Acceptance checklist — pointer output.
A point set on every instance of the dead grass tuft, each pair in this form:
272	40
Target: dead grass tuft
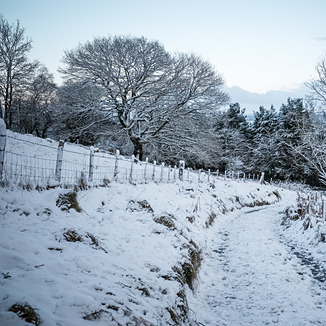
211	219
72	236
68	201
138	206
26	312
94	315
166	220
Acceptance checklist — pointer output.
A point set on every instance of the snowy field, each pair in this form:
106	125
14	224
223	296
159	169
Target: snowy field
126	254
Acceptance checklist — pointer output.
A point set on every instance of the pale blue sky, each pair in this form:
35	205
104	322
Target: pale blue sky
256	45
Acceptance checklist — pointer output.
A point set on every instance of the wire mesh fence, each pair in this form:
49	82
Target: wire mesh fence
29	161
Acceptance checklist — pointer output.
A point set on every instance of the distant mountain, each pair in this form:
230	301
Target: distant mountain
252	101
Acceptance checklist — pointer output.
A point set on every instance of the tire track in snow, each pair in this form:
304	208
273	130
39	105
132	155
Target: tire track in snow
249	277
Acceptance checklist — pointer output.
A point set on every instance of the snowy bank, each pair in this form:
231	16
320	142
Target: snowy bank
129	256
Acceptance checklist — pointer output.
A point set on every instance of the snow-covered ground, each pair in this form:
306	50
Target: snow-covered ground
137	247
251	277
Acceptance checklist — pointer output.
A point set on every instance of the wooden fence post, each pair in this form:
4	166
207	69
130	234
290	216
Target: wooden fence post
91	164
181	169
175	168
132	167
116	166
162	171
169	173
153	175
2	146
58	167
145	168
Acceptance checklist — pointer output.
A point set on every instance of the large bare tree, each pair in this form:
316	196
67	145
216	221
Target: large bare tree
14	65
143	86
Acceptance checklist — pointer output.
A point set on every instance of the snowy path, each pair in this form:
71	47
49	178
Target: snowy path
251	277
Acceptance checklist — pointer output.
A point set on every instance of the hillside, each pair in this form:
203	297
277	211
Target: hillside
181	253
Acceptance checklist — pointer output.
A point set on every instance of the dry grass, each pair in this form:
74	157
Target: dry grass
68	201
166	220
26	312
72	236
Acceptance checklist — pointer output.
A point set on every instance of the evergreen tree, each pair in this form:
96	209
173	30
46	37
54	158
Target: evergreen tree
234	135
263	158
294	122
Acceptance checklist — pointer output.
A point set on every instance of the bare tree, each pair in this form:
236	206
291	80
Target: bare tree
79	113
14	65
313	151
142	86
318	84
33	106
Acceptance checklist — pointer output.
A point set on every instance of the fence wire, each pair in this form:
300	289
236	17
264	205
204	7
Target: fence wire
82	167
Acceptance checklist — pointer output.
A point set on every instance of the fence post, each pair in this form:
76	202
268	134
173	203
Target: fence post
132	166
181	169
2	146
199	173
91	164
153	175
162	170
188	176
175	167
58	166
116	166
145	169
169	173
209	174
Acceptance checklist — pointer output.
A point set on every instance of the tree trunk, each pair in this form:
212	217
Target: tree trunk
138	148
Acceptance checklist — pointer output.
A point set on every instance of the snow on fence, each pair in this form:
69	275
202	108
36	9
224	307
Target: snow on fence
31	161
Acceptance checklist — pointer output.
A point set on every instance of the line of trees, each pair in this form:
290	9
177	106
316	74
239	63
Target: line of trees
285	144
129	93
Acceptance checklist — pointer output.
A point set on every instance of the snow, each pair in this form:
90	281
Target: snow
124	270
258	279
